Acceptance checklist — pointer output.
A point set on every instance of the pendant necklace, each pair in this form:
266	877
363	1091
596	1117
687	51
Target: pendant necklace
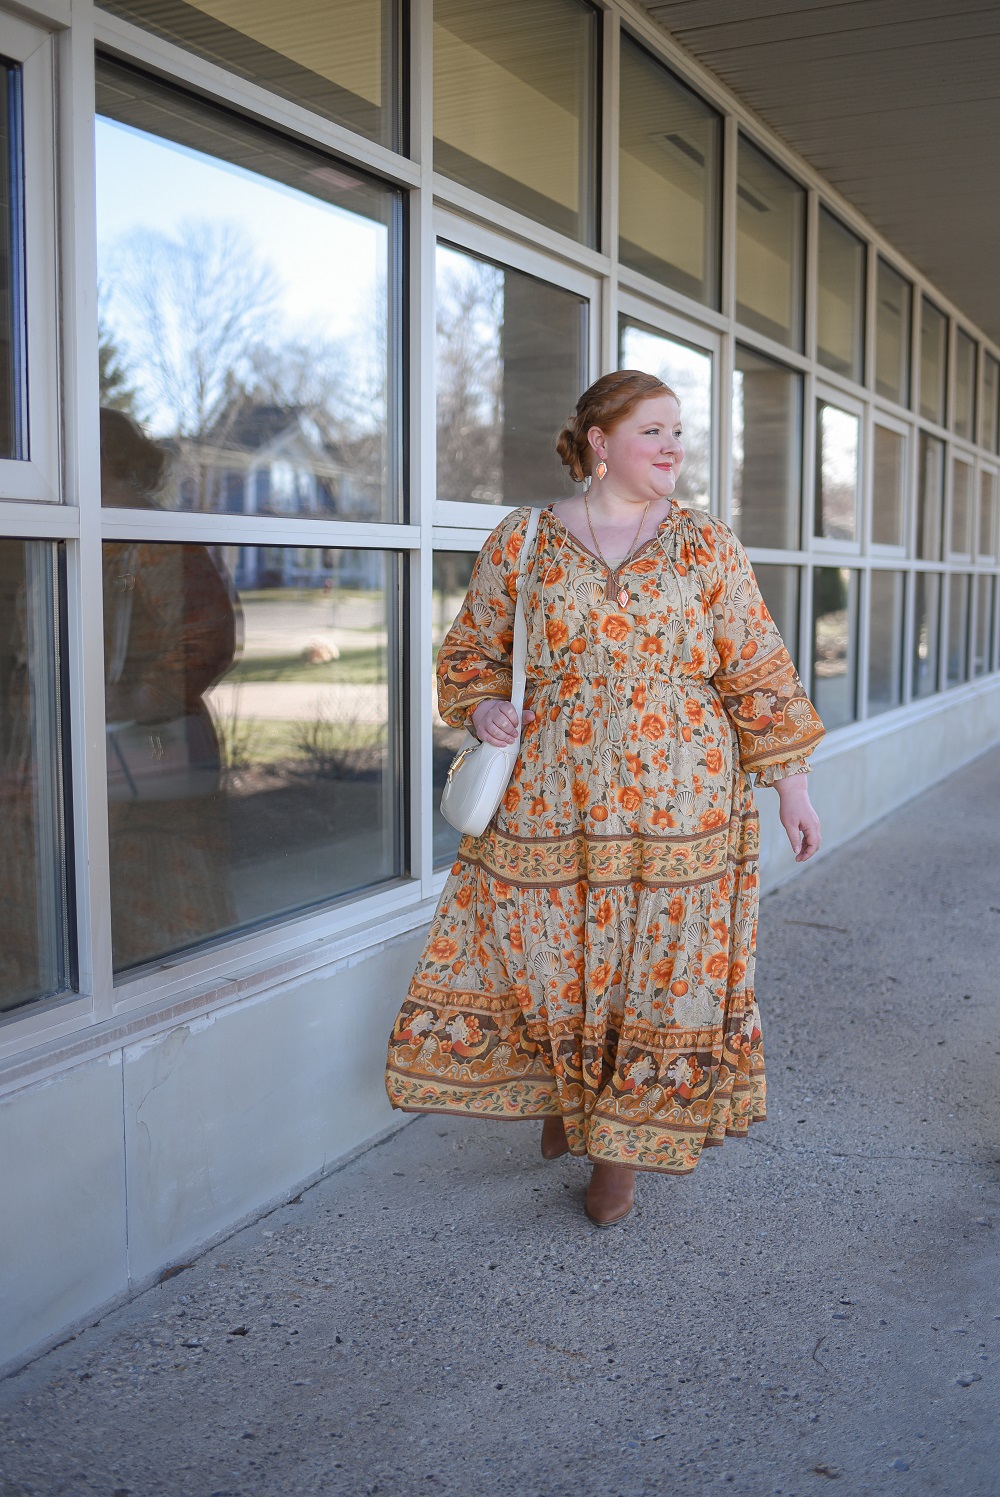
622	596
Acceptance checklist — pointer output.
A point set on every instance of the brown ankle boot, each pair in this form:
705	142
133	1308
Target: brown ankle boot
611	1193
554	1140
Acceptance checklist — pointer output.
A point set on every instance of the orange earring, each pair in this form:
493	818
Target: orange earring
602	469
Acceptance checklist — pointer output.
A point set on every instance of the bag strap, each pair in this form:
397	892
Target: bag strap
520	653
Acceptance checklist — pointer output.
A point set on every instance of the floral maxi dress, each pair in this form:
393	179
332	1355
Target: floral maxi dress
592	954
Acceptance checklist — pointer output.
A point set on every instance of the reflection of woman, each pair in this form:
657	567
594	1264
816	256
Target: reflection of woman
591	961
169	626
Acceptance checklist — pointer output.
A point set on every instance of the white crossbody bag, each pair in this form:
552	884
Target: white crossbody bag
479	773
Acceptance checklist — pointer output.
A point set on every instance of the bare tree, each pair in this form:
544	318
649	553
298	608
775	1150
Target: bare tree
469	382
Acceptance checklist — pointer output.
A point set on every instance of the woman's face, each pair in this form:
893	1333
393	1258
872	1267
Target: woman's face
643	452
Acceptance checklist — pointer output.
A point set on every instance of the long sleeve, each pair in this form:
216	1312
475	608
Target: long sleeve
776	725
474	662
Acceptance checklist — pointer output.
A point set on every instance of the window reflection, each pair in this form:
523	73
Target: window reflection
767	451
960	539
957	661
670	166
779	588
12	370
989	515
515	90
888	486
835	631
840	305
966	359
452	575
34	957
337	57
245	309
510	367
688	372
892	334
982	634
770	231
930	497
990	419
885	641
933	361
837	438
926	630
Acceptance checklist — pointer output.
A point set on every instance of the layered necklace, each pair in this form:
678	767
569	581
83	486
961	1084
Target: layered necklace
622	596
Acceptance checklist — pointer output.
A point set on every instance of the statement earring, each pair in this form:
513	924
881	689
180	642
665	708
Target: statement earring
602	469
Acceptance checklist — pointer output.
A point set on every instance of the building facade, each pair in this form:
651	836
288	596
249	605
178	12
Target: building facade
293	302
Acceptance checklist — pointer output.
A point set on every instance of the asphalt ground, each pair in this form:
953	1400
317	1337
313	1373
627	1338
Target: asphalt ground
815	1309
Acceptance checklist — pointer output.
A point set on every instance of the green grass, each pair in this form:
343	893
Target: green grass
354	668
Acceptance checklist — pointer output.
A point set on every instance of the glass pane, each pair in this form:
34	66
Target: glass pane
892	334
12	357
957	662
835	644
960	540
990	422
33	907
337	57
670	161
252	737
688	372
779	588
770	228
933	361
515	89
767	451
840	306
452	574
983	625
930	497
837	438
885	642
926	615
888	486
511	362
966	358
246	313
988	516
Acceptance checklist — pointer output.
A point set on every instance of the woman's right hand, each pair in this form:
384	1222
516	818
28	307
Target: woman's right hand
495	722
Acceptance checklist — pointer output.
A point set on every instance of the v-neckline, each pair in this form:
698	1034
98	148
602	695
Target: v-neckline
626	561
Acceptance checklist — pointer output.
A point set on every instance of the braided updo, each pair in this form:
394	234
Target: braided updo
607	402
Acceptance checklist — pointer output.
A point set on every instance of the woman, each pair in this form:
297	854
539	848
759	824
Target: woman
591	961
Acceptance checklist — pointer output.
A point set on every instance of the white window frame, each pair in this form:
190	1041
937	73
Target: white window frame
823	546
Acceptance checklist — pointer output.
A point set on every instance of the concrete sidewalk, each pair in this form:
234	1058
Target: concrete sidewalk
819	1306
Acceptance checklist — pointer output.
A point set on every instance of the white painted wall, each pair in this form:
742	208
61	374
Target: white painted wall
219	1117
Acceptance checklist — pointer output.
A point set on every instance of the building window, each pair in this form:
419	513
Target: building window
990	416
957	658
767	451
982	633
452	575
779	586
885	641
339	58
966	359
933	361
835	644
670	162
930	497
960	536
770	236
840	307
688	372
12	330
511	362
926	632
889	486
34	938
989	517
515	106
894	298
838	436
247	313
252	735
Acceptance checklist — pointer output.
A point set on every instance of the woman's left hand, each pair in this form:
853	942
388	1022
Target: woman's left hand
797	816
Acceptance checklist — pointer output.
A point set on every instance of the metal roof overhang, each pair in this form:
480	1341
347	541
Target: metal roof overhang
895	102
